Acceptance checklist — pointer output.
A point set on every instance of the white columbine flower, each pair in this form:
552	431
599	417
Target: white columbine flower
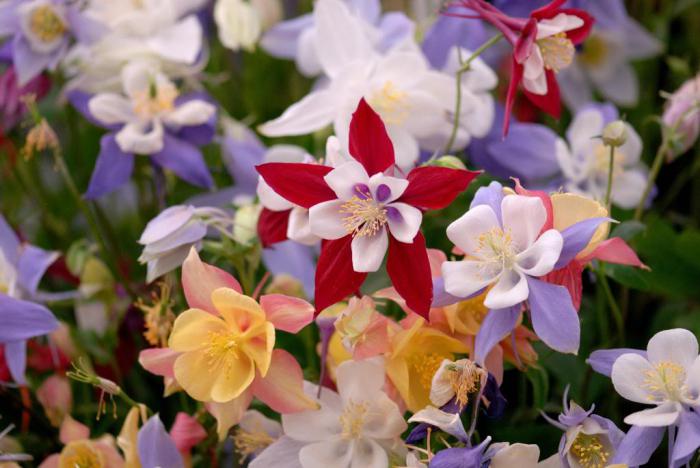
355	427
668	377
501	249
147	107
584	161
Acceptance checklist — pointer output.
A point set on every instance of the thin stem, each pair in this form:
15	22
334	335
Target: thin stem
611	166
653	174
617	314
475	412
464	67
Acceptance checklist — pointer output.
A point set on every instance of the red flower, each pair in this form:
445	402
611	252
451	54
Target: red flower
362	212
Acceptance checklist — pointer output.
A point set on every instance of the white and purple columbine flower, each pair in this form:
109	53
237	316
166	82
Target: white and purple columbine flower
666	375
39	33
21	268
149	118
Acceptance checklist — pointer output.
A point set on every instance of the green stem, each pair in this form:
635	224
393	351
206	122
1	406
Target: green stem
464	67
611	166
617	314
653	174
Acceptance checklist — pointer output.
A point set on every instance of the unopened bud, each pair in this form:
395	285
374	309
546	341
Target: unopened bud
615	134
451	162
108	386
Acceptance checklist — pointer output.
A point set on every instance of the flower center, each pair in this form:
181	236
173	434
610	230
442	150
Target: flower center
557	51
45	24
391	103
665	382
250	442
365	215
222	347
496	245
80	454
425	366
158	99
352	419
589	451
594	51
464	381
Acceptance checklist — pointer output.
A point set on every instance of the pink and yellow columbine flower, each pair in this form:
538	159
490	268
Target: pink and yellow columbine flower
80	450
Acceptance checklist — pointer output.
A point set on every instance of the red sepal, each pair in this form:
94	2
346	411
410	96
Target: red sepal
578	35
516	76
550	102
526	40
570	278
409	269
434	188
299	183
272	226
335	277
549	10
369	143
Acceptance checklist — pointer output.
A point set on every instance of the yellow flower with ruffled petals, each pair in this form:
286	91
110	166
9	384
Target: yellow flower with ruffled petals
221	353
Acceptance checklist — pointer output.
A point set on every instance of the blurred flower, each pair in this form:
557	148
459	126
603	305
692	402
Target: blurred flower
80	450
9	448
187	433
584	159
615	133
364	331
287	285
682	114
238	22
41	137
12	95
254	434
245	222
56	397
158	316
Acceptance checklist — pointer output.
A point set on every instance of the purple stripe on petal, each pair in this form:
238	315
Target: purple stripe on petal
185	160
638	445
156	447
602	360
32	265
490	196
16	358
112	169
23	319
576	238
393	214
553	316
496	325
688	438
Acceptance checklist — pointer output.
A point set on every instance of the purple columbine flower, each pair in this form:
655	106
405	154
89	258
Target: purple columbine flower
21	269
156	447
39	33
150	118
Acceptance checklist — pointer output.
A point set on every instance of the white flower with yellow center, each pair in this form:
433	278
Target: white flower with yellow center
668	377
8	276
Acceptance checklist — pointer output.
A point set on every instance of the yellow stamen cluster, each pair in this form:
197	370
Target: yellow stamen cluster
666	381
365	217
352	419
557	51
390	103
81	454
159	98
595	50
497	246
589	451
465	380
158	316
425	365
221	347
46	24
250	442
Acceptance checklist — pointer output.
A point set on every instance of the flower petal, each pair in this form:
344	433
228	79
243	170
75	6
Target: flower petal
22	320
158	361
110	108
299	183
660	416
409	269
185	160
510	289
434	188
576	239
192	328
282	388
200	279
465	231
602	360
616	250
676	345
368	251
523	218
628	376
369	142
345	179
112	169
229	413
497	324
540	258
466	277
638	445
282	453
404	221
553	316
326	220
336	452
287	313
335	277
311	113
156	447
272	226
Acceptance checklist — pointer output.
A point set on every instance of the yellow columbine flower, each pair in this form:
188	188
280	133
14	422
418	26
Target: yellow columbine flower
221	353
570	208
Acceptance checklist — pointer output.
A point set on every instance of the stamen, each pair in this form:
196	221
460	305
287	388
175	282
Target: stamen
250	442
390	103
221	348
157	99
589	451
46	24
666	381
465	380
496	245
557	51
352	419
365	217
425	366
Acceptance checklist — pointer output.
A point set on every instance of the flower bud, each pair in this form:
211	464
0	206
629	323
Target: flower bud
682	115
245	223
239	24
615	134
451	162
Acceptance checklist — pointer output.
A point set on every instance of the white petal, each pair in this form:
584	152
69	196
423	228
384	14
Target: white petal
311	113
360	380
344	179
632	149
536	85
405	147
384	419
661	416
677	345
446	422
628	377
312	426
368	251
110	108
271	199
560	23
166	223
620	86
628	188
465	231
326	220
287	153
584	128
464	278
306	59
441	390
693	379
181	42
396	187
367	453
520	455
540	257
510	289
299	228
404	221
136	77
283	453
523	218
337	453
190	113
139	139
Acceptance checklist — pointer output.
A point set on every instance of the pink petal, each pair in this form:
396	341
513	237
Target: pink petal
282	388
159	361
616	250
436	258
72	430
200	279
287	313
186	432
546	200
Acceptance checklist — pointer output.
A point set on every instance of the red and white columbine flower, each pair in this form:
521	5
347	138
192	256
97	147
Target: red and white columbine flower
543	45
362	210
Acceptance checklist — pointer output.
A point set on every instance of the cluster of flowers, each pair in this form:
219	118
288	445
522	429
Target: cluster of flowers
401	327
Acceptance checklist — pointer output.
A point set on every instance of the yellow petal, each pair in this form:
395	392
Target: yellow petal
236	377
206	378
238	310
192	329
569	209
259	347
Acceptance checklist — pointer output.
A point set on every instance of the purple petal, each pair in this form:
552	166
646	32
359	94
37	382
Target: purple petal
156	447
28	63
553	316
395	27
32	265
442	298
84	29
22	320
282	39
293	259
369	10
614	433
461	457
491	196
602	360
576	238
16	358
198	135
448	32
575	416
9	243
638	445
496	325
80	100
112	169
185	160
241	157
688	438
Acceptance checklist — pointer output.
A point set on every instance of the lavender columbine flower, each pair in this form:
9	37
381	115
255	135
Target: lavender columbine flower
21	268
150	118
40	31
155	446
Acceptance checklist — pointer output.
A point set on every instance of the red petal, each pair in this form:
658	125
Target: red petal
550	10
299	183
272	226
335	277
434	188
409	269
570	278
515	77
550	102
523	47
369	142
579	35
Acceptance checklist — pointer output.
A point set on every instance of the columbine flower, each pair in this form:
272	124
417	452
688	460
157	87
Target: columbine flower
456	380
150	118
682	114
543	45
254	434
363	212
413	100
80	450
585	159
